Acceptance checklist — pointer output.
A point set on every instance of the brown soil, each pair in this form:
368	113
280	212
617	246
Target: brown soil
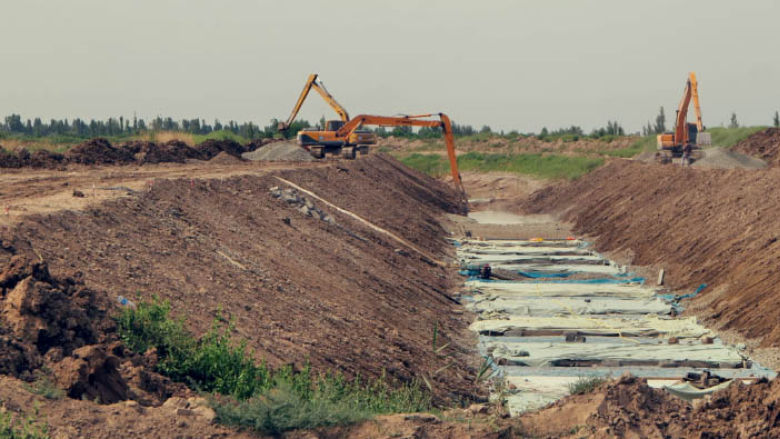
717	227
172	151
764	145
339	295
211	148
225	158
21	157
98	151
628	408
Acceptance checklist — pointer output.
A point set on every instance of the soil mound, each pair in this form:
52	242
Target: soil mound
723	158
764	145
44	316
299	288
225	158
172	151
211	148
629	408
280	151
21	157
98	151
714	227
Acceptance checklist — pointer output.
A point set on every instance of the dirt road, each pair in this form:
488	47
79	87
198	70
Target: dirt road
35	191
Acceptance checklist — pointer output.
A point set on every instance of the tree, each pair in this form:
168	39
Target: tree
485	130
733	123
544	133
660	122
777	120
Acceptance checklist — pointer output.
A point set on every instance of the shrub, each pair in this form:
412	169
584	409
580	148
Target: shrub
265	400
12	427
585	385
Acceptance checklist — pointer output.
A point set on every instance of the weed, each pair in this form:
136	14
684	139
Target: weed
585	385
265	400
45	387
18	427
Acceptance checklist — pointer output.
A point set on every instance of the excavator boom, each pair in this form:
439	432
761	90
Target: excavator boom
417	120
312	83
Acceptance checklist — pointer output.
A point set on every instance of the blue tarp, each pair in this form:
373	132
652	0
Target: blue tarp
543	274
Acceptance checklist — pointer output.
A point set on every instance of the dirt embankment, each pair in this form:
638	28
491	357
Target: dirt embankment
718	227
629	408
764	145
100	151
297	287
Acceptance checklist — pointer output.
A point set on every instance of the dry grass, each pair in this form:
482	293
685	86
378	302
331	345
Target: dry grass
166	136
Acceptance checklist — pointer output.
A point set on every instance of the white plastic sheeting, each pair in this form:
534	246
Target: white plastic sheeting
552	289
550	306
547	354
642	326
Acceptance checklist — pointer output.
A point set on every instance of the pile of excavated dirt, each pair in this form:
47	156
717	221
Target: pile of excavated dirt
340	294
764	145
21	157
280	151
58	326
211	148
225	158
629	408
98	151
723	158
174	151
714	227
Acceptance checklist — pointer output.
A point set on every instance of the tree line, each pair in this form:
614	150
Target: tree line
118	127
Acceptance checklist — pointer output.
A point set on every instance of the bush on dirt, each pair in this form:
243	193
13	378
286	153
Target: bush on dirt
15	427
328	400
585	385
259	398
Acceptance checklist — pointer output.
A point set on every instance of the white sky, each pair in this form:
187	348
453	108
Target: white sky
509	64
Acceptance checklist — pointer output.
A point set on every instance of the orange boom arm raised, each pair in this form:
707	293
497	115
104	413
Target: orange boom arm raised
419	120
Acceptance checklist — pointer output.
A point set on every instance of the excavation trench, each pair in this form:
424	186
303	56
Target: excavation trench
567	314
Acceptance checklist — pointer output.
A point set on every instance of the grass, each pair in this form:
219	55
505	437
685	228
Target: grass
728	137
18	427
585	385
253	395
45	387
539	165
220	135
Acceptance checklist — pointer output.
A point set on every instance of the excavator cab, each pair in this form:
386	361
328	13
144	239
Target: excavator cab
333	125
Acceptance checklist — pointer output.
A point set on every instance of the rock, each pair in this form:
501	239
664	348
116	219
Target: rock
78	194
478	409
422	417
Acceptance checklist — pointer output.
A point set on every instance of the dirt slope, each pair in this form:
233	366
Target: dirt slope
299	288
718	227
764	145
628	408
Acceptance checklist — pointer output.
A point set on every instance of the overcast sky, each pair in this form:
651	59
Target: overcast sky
511	64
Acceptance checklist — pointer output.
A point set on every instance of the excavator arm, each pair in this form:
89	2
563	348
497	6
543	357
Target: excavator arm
420	120
695	96
681	124
312	83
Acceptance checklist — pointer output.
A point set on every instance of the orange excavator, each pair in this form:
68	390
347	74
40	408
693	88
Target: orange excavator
357	141
686	135
346	136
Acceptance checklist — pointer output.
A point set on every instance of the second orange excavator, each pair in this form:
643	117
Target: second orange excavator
690	135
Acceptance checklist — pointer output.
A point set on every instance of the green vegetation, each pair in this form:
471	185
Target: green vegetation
255	396
585	385
17	427
331	400
45	387
728	137
538	165
221	135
